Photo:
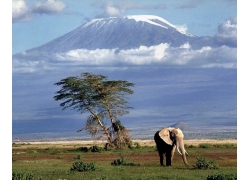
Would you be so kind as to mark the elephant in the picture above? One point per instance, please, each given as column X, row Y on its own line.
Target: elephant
column 167, row 140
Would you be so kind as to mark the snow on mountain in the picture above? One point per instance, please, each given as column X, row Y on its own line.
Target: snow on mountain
column 157, row 21
column 151, row 19
column 122, row 33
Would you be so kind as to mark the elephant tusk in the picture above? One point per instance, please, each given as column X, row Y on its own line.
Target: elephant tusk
column 186, row 152
column 178, row 150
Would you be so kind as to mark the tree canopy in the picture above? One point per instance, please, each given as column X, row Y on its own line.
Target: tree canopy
column 102, row 98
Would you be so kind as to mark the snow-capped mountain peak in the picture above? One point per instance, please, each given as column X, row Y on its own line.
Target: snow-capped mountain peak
column 126, row 32
column 151, row 19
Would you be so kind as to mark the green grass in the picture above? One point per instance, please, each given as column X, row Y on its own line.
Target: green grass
column 54, row 164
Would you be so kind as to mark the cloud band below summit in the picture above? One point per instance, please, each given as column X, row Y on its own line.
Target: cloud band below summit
column 161, row 54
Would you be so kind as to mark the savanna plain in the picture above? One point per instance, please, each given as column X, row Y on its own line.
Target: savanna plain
column 73, row 160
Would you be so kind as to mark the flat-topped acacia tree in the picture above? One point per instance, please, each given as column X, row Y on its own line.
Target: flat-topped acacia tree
column 105, row 100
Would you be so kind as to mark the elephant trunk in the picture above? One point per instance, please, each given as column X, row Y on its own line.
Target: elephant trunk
column 182, row 151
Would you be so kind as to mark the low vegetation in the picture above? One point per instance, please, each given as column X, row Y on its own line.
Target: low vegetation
column 137, row 162
column 124, row 162
column 204, row 163
column 81, row 166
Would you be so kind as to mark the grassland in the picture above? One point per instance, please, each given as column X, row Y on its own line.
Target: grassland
column 53, row 160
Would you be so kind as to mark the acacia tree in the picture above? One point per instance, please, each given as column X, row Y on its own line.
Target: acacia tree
column 105, row 101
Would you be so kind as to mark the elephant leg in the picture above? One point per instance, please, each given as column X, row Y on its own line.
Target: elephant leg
column 161, row 158
column 168, row 159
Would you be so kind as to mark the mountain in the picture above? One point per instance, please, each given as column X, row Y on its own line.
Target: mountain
column 182, row 126
column 122, row 33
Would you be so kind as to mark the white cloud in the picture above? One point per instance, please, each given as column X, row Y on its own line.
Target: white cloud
column 111, row 10
column 49, row 7
column 161, row 54
column 116, row 9
column 20, row 12
column 89, row 57
column 227, row 32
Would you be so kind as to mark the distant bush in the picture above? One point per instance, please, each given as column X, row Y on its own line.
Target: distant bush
column 189, row 146
column 81, row 166
column 32, row 152
column 78, row 157
column 204, row 145
column 24, row 176
column 124, row 162
column 220, row 176
column 218, row 145
column 96, row 149
column 229, row 145
column 84, row 149
column 55, row 152
column 137, row 145
column 204, row 163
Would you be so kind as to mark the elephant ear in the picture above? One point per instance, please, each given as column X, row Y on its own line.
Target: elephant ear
column 165, row 136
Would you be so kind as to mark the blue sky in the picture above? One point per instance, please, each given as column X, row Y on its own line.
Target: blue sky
column 36, row 22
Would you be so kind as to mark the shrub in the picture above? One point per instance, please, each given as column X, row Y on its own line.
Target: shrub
column 204, row 163
column 78, row 157
column 124, row 162
column 220, row 176
column 189, row 146
column 218, row 145
column 81, row 166
column 24, row 176
column 229, row 145
column 55, row 152
column 137, row 145
column 204, row 145
column 84, row 149
column 32, row 152
column 96, row 149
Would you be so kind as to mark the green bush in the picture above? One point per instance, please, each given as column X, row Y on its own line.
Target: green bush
column 124, row 162
column 218, row 145
column 229, row 145
column 220, row 176
column 204, row 163
column 78, row 157
column 96, row 149
column 84, row 149
column 55, row 152
column 24, row 176
column 32, row 152
column 189, row 146
column 137, row 145
column 81, row 166
column 204, row 145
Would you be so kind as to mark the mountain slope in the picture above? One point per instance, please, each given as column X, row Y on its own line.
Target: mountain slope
column 121, row 33
column 182, row 126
